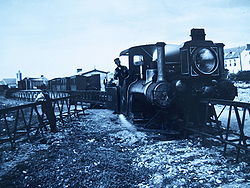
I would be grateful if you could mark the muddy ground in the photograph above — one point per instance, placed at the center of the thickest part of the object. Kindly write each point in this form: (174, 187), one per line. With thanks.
(102, 149)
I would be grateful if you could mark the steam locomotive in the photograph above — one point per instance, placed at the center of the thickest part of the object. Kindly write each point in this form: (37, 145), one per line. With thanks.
(172, 79)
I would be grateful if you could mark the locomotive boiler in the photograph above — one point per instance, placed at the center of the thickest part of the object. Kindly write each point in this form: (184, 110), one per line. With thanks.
(173, 78)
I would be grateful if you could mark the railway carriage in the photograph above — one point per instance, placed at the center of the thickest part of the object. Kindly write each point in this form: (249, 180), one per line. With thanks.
(75, 83)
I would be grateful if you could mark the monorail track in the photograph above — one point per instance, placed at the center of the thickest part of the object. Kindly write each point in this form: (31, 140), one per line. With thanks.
(28, 121)
(228, 123)
(235, 133)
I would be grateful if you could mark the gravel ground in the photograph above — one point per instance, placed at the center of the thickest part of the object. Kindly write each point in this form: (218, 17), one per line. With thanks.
(104, 150)
(85, 153)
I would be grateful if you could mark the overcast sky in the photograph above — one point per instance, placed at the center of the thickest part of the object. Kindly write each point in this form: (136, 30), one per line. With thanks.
(55, 37)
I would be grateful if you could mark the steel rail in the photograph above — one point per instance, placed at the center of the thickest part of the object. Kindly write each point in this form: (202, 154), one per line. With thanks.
(239, 139)
(29, 119)
(89, 96)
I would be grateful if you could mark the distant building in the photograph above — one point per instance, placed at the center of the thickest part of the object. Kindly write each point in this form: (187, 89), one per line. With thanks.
(32, 83)
(9, 82)
(102, 78)
(237, 59)
(3, 86)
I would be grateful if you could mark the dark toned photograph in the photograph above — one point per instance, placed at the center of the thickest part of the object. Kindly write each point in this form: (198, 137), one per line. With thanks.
(125, 93)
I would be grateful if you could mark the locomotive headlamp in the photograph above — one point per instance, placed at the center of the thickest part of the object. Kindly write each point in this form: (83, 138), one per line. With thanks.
(205, 60)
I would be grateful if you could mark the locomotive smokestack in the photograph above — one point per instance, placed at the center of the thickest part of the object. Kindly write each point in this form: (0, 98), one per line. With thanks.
(160, 60)
(198, 34)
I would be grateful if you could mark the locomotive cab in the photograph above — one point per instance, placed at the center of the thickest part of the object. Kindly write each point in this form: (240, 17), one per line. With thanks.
(132, 99)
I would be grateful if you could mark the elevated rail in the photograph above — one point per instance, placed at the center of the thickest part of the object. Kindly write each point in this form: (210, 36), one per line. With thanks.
(93, 97)
(228, 122)
(31, 95)
(28, 120)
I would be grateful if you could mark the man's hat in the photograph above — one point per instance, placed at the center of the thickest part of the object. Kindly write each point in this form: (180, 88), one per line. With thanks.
(116, 59)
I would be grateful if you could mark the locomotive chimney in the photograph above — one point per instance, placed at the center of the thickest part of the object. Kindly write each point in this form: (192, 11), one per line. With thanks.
(160, 60)
(198, 34)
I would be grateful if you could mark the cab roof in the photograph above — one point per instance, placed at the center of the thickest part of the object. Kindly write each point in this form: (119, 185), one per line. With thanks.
(139, 50)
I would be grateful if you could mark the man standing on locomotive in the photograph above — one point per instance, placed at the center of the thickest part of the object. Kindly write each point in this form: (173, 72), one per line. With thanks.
(121, 72)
